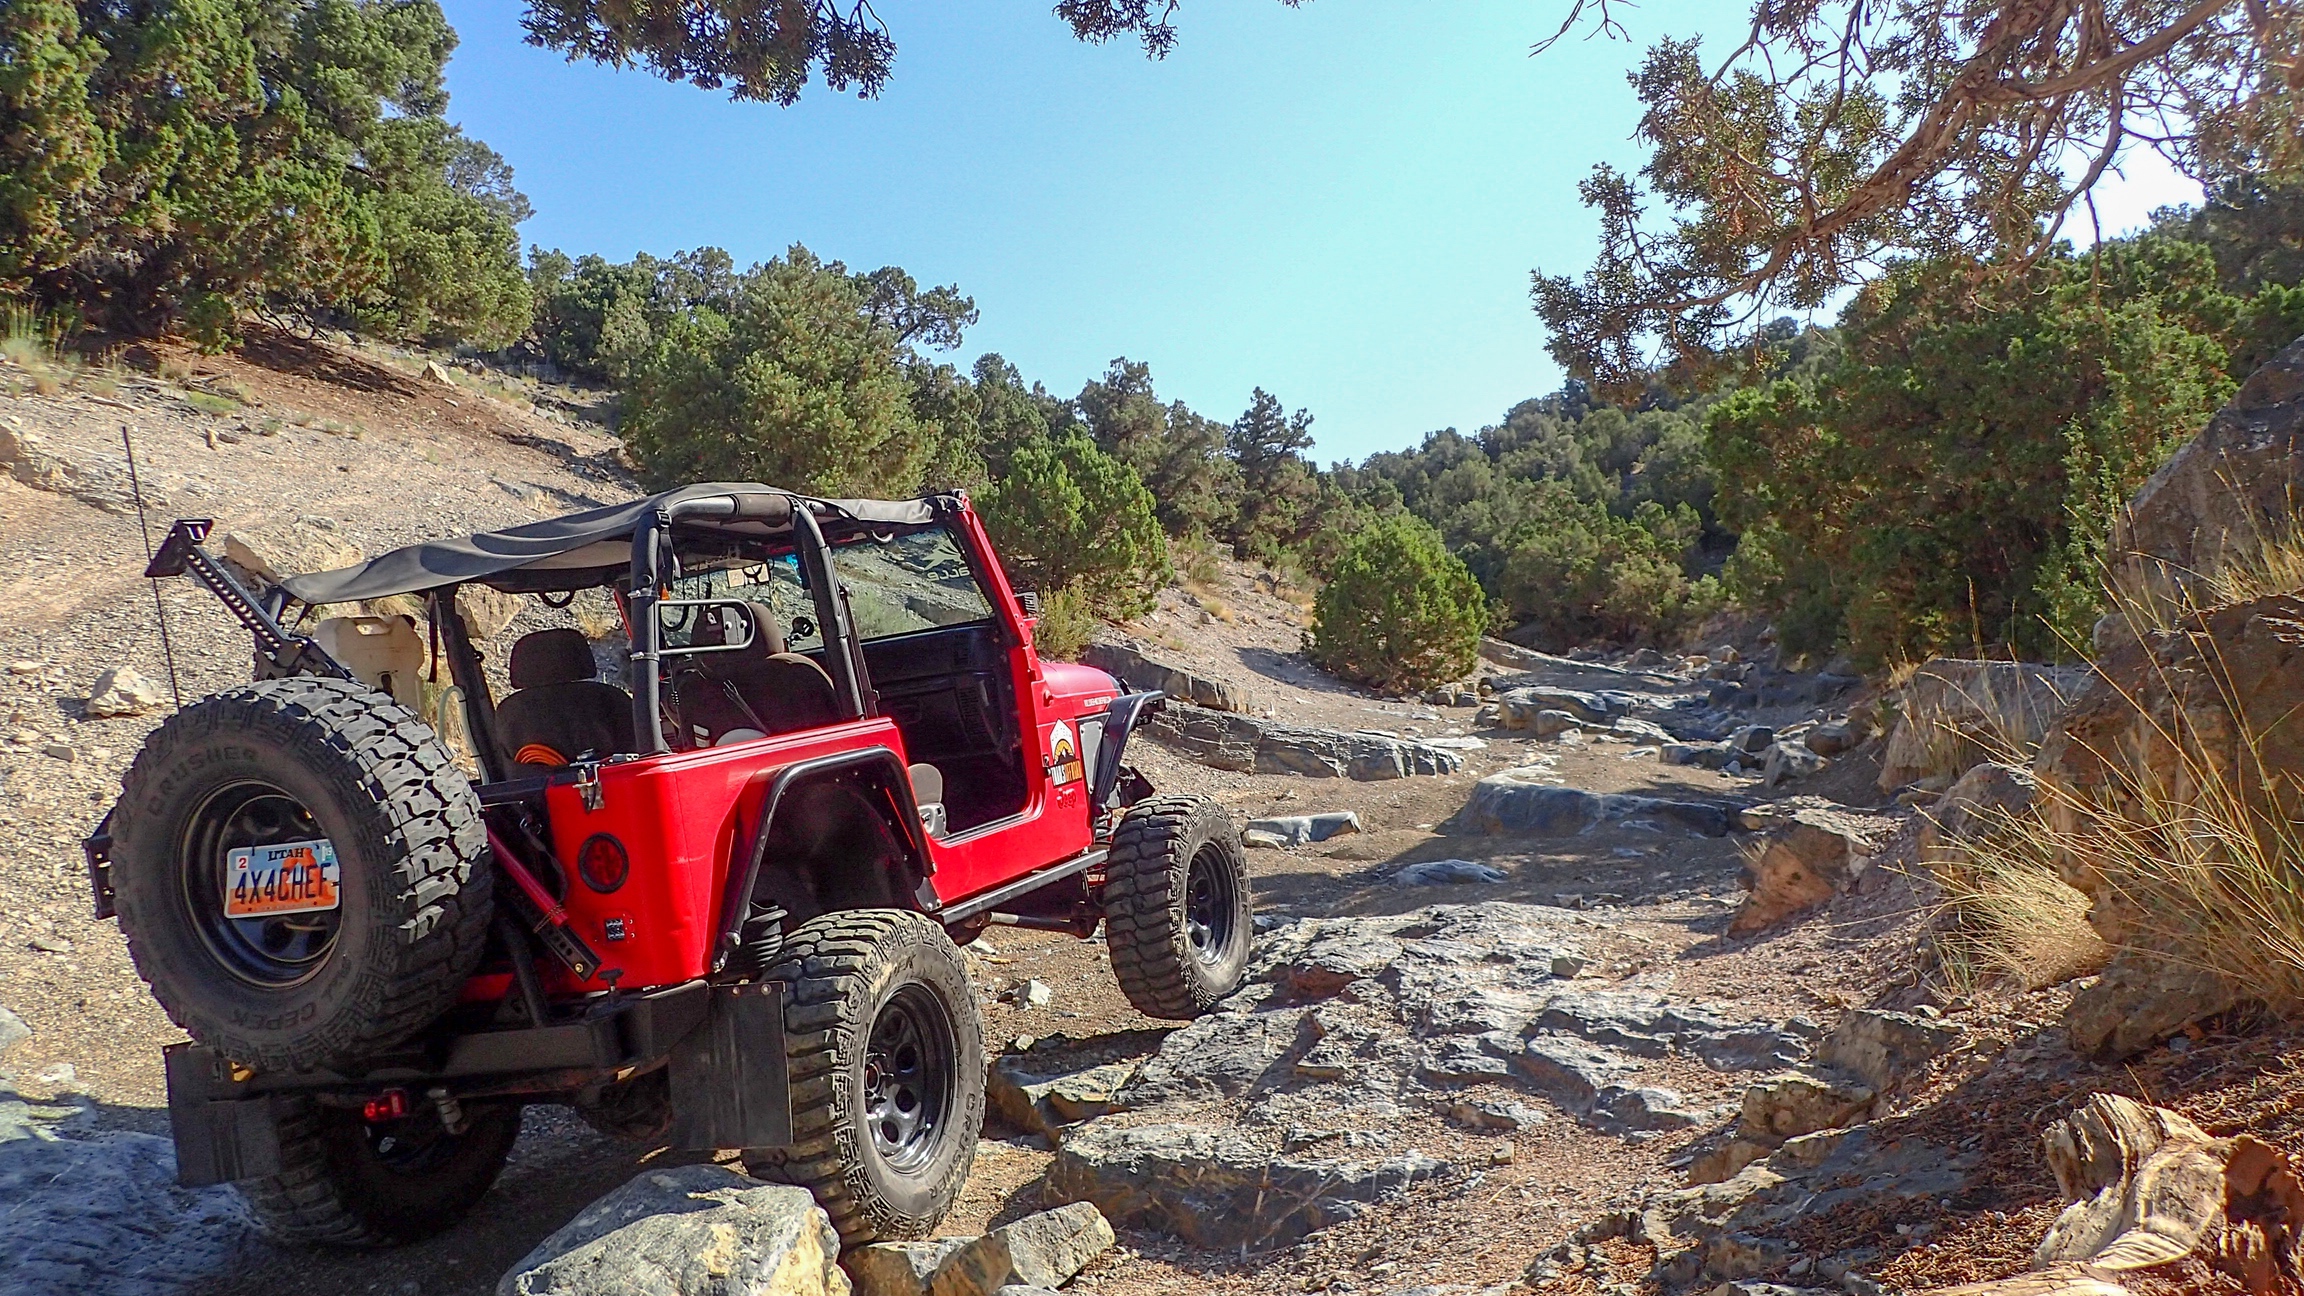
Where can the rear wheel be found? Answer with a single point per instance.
(300, 872)
(345, 1181)
(886, 1055)
(1177, 913)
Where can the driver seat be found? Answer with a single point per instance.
(559, 713)
(759, 690)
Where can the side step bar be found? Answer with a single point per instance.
(985, 901)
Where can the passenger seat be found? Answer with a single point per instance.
(560, 712)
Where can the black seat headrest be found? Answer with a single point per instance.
(559, 656)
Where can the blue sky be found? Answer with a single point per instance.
(1340, 203)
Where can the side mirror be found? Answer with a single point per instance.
(690, 626)
(1031, 601)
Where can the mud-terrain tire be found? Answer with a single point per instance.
(281, 761)
(885, 1049)
(1178, 918)
(346, 1183)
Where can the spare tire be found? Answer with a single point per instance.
(300, 870)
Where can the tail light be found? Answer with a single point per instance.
(602, 863)
(392, 1104)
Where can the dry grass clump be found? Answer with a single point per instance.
(2188, 840)
(2195, 864)
(2013, 919)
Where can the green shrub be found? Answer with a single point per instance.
(1067, 516)
(1946, 483)
(795, 384)
(1399, 611)
(1066, 624)
(175, 164)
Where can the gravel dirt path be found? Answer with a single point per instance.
(384, 456)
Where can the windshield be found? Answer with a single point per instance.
(913, 579)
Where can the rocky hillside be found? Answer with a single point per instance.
(1573, 976)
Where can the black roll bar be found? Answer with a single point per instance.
(651, 559)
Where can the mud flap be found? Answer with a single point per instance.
(217, 1140)
(729, 1085)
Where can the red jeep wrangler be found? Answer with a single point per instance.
(708, 891)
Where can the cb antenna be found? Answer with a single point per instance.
(160, 605)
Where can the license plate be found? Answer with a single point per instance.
(283, 878)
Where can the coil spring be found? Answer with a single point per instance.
(762, 943)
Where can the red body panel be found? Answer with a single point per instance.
(684, 818)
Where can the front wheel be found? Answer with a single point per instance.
(1177, 913)
(885, 1052)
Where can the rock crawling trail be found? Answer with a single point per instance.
(1499, 1070)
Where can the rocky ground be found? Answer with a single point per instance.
(1509, 1033)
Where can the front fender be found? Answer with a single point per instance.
(1120, 720)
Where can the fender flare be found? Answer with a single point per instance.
(1121, 719)
(894, 780)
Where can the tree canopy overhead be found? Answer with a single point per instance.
(1841, 135)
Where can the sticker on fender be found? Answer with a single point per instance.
(283, 878)
(1064, 755)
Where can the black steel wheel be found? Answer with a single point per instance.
(1211, 905)
(1177, 911)
(908, 1075)
(885, 1056)
(274, 950)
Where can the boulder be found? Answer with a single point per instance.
(1303, 830)
(1706, 755)
(1035, 1101)
(1043, 1250)
(1810, 854)
(1446, 872)
(1242, 744)
(270, 552)
(487, 613)
(1983, 799)
(1523, 801)
(1128, 663)
(1793, 1103)
(120, 691)
(104, 1213)
(1954, 714)
(1787, 761)
(1219, 1188)
(1214, 738)
(697, 1230)
(2198, 714)
(897, 1268)
(1836, 737)
(2141, 999)
(1884, 1049)
(13, 1031)
(2227, 490)
(1731, 1229)
(1521, 707)
(1547, 724)
(33, 461)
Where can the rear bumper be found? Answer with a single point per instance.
(724, 1044)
